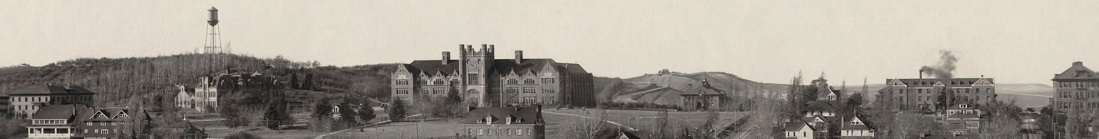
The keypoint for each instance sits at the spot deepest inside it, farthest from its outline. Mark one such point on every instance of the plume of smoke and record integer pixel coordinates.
(944, 68)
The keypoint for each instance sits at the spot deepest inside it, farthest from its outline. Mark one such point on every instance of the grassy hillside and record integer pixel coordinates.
(665, 88)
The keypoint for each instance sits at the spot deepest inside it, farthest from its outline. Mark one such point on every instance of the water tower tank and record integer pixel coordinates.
(213, 16)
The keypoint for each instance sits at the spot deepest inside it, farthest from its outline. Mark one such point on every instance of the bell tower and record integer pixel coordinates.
(476, 67)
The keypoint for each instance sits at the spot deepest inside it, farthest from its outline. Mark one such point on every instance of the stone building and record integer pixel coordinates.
(923, 94)
(504, 123)
(203, 96)
(702, 97)
(1077, 89)
(27, 100)
(482, 80)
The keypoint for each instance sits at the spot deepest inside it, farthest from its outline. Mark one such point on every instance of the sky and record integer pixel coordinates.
(1014, 41)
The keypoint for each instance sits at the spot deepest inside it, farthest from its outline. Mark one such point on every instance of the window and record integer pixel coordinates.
(549, 99)
(513, 81)
(402, 81)
(512, 90)
(424, 82)
(438, 91)
(529, 90)
(402, 91)
(548, 90)
(454, 81)
(472, 79)
(528, 100)
(547, 80)
(439, 82)
(528, 81)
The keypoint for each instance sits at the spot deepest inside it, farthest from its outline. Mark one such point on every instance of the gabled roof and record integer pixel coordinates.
(1077, 71)
(527, 115)
(820, 105)
(45, 89)
(848, 126)
(56, 112)
(522, 68)
(946, 82)
(795, 126)
(705, 90)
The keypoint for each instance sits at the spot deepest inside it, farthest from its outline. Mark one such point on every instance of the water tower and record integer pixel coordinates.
(213, 32)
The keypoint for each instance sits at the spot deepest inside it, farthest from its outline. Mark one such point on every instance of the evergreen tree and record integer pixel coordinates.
(366, 112)
(347, 115)
(276, 114)
(307, 84)
(397, 112)
(322, 109)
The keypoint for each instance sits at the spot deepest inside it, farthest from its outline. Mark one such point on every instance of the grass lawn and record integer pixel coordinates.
(442, 129)
(403, 130)
(641, 120)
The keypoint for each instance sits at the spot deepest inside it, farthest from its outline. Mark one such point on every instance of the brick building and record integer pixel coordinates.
(504, 123)
(27, 100)
(1077, 89)
(80, 121)
(482, 80)
(923, 93)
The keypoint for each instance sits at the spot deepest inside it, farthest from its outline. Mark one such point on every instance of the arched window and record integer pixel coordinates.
(528, 81)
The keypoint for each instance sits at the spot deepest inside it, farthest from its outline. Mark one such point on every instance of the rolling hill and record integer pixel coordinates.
(665, 88)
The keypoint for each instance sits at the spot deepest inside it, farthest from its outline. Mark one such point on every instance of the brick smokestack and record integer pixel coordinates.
(921, 73)
(446, 57)
(518, 56)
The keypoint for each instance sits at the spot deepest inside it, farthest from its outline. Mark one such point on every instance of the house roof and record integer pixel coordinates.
(1076, 71)
(963, 116)
(527, 115)
(795, 126)
(56, 112)
(822, 105)
(946, 82)
(45, 89)
(704, 89)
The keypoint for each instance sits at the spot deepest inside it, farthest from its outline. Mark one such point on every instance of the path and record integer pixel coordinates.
(581, 116)
(321, 136)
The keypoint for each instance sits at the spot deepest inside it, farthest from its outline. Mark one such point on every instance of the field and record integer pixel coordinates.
(554, 118)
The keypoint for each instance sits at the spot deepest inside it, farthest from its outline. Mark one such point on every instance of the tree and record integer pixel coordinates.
(276, 114)
(366, 112)
(1000, 127)
(307, 84)
(347, 115)
(294, 81)
(856, 100)
(322, 108)
(397, 112)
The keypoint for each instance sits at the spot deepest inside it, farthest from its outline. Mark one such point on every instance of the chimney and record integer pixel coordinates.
(518, 56)
(1077, 63)
(446, 57)
(921, 73)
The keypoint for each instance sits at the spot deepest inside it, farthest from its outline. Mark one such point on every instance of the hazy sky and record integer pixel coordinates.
(768, 40)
